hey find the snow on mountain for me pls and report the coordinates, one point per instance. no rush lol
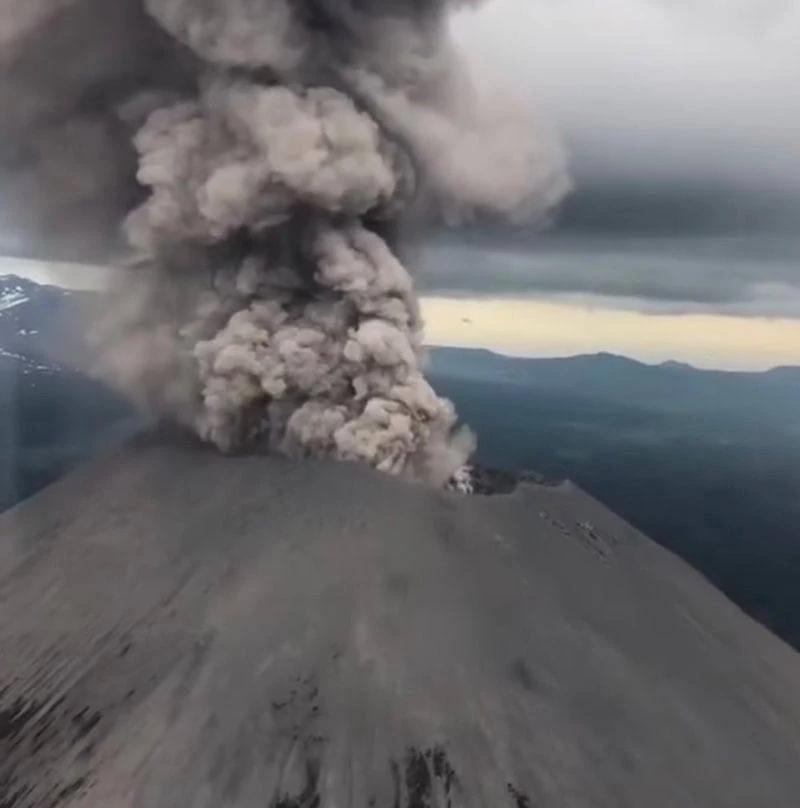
(11, 294)
(53, 416)
(38, 324)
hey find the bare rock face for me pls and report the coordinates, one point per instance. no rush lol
(179, 628)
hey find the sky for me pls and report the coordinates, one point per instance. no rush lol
(681, 124)
(653, 91)
(681, 121)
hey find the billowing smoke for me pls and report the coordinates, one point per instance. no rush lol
(279, 147)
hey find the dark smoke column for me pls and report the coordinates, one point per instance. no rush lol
(266, 304)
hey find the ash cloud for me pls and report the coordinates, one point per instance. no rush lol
(263, 155)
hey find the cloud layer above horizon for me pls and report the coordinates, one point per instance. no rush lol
(682, 125)
(746, 275)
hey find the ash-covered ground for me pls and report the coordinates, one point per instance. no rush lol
(184, 628)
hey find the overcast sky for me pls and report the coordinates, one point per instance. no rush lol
(654, 90)
(681, 120)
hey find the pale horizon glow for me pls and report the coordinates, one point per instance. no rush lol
(527, 326)
(535, 328)
(69, 276)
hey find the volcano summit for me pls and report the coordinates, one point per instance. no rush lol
(180, 628)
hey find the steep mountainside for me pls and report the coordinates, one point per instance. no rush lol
(52, 416)
(38, 323)
(180, 628)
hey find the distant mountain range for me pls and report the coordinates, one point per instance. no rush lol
(669, 387)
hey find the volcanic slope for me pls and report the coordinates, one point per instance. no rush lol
(179, 628)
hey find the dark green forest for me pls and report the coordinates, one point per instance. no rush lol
(707, 464)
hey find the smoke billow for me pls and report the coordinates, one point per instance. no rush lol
(277, 145)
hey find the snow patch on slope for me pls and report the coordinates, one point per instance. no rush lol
(11, 296)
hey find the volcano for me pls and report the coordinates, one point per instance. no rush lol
(182, 628)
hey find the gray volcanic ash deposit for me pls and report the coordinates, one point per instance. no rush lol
(181, 628)
(263, 155)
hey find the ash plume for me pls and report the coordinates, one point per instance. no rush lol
(277, 146)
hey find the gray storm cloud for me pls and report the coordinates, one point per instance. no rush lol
(276, 148)
(659, 93)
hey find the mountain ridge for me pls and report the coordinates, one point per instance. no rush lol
(608, 357)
